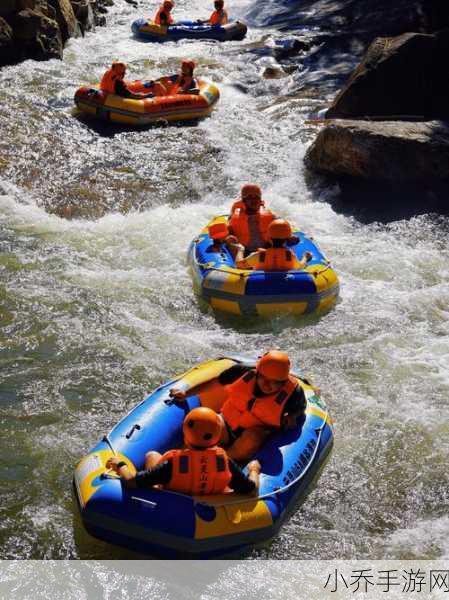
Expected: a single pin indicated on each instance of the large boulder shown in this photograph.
(65, 18)
(6, 42)
(36, 36)
(395, 152)
(405, 75)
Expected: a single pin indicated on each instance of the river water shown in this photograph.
(98, 309)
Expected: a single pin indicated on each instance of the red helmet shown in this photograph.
(218, 231)
(279, 229)
(251, 190)
(202, 427)
(274, 365)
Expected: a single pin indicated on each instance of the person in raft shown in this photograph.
(258, 402)
(218, 17)
(113, 82)
(183, 82)
(219, 234)
(201, 468)
(163, 16)
(277, 257)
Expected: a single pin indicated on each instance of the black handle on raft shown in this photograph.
(131, 431)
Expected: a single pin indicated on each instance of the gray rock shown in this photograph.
(396, 152)
(404, 75)
(65, 18)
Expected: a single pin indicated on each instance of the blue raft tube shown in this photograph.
(190, 30)
(260, 293)
(164, 523)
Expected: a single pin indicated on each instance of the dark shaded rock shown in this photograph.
(7, 7)
(84, 14)
(6, 42)
(36, 36)
(406, 75)
(396, 152)
(65, 18)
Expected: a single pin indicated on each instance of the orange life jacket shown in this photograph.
(182, 83)
(243, 409)
(218, 17)
(238, 222)
(108, 82)
(198, 471)
(277, 259)
(168, 18)
(240, 204)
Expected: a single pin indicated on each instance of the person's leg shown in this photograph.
(151, 459)
(247, 444)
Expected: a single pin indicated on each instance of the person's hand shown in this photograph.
(254, 465)
(308, 256)
(112, 463)
(292, 240)
(232, 242)
(178, 395)
(289, 421)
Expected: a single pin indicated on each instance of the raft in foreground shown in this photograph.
(248, 292)
(146, 29)
(180, 107)
(169, 524)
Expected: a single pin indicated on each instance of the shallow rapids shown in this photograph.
(97, 310)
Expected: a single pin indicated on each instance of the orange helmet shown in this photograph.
(188, 63)
(168, 3)
(218, 231)
(274, 365)
(279, 229)
(118, 67)
(202, 427)
(251, 190)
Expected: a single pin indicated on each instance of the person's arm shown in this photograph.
(122, 90)
(249, 262)
(305, 258)
(245, 484)
(159, 475)
(295, 406)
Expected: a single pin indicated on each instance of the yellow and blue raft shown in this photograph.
(169, 524)
(248, 292)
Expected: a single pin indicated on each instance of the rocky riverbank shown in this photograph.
(388, 126)
(39, 29)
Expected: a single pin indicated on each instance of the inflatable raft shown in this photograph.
(180, 107)
(249, 292)
(146, 29)
(170, 524)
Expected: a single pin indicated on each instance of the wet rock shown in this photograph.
(41, 27)
(65, 17)
(405, 75)
(37, 36)
(397, 152)
(7, 7)
(289, 47)
(84, 14)
(273, 72)
(6, 42)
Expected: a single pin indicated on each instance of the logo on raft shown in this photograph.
(300, 464)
